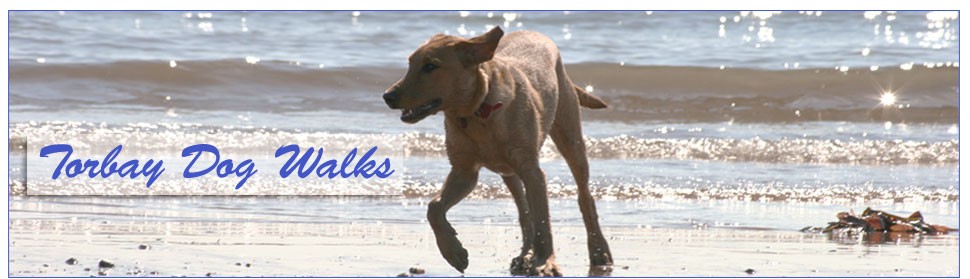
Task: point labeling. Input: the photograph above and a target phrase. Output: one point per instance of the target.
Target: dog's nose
(391, 98)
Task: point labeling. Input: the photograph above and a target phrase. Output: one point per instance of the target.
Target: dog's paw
(598, 258)
(547, 269)
(454, 253)
(520, 265)
(600, 271)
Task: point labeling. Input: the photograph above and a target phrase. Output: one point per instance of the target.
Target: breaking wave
(636, 93)
(172, 137)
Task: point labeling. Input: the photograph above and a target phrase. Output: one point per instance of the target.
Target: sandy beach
(41, 243)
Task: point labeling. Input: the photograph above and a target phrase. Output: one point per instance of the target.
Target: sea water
(722, 119)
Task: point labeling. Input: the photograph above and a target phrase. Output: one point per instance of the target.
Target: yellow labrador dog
(501, 96)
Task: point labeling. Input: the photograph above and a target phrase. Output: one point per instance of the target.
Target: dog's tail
(588, 100)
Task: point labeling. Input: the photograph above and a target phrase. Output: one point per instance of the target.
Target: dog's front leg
(538, 200)
(521, 264)
(460, 182)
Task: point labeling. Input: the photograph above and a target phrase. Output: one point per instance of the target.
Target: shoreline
(40, 247)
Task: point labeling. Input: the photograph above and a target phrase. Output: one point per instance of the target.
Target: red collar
(486, 110)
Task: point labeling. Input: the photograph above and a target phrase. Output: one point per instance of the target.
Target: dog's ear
(479, 49)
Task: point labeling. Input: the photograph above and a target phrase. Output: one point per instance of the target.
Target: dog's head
(441, 75)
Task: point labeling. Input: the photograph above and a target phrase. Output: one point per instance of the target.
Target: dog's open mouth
(413, 115)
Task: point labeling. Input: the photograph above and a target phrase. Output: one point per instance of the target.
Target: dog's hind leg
(568, 135)
(537, 196)
(521, 264)
(459, 184)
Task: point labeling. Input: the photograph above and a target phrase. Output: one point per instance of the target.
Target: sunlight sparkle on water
(887, 98)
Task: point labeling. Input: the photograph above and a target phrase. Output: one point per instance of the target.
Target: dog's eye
(427, 68)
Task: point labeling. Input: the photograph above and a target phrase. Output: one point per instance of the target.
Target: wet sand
(40, 247)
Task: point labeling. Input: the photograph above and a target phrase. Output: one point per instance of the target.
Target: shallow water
(664, 213)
